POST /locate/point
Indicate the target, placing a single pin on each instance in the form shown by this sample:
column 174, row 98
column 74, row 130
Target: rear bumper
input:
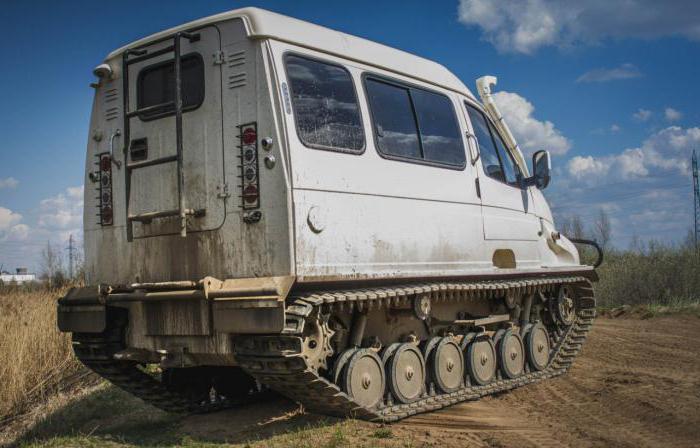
column 236, row 306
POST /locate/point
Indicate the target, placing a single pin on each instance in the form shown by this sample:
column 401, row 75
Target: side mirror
column 541, row 170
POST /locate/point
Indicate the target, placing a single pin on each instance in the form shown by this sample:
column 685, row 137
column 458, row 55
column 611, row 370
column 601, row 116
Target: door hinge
column 219, row 57
column 223, row 191
column 478, row 188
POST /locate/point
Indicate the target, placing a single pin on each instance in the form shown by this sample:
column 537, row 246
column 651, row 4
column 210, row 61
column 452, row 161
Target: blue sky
column 610, row 87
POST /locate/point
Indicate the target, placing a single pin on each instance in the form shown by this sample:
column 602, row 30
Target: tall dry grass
column 36, row 360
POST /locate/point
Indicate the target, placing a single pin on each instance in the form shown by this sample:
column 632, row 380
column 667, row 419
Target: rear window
column 156, row 85
column 413, row 123
column 325, row 105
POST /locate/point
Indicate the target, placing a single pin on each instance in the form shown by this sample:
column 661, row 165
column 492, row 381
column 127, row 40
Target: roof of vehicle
column 266, row 24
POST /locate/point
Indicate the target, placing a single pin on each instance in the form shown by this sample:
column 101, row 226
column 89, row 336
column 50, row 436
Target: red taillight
column 105, row 190
column 249, row 136
column 250, row 179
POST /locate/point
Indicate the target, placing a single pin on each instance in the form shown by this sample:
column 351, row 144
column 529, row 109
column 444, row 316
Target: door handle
column 473, row 156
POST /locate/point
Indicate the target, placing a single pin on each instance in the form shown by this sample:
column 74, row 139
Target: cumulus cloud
column 625, row 71
column 63, row 211
column 8, row 182
column 666, row 150
column 642, row 115
column 615, row 128
column 672, row 114
column 10, row 227
column 524, row 26
column 531, row 133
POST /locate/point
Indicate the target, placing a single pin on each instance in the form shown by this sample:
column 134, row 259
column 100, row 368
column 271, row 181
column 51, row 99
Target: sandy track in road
column 637, row 384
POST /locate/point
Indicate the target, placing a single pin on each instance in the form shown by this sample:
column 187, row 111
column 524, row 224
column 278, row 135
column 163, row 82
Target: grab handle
column 593, row 243
column 116, row 133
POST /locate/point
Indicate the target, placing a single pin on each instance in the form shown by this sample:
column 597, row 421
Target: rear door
column 152, row 136
column 506, row 205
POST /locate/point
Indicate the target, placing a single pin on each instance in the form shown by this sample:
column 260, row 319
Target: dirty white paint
column 325, row 215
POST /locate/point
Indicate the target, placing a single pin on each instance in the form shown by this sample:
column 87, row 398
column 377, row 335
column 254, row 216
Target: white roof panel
column 266, row 24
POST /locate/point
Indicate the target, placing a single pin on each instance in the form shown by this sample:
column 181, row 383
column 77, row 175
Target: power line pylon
column 70, row 256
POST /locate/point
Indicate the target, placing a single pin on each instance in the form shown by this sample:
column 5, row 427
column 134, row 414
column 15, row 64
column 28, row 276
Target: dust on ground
column 636, row 384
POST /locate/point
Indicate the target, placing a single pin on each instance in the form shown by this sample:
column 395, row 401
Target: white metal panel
column 266, row 24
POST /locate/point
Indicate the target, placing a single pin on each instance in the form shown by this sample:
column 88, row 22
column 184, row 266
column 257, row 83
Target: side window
column 156, row 85
column 393, row 118
column 414, row 123
column 325, row 105
column 510, row 169
column 487, row 149
column 439, row 131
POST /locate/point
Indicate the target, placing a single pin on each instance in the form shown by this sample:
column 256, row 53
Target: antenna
column 696, row 199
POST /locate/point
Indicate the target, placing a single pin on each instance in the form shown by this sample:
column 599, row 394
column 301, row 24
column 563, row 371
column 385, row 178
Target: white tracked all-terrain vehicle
column 270, row 204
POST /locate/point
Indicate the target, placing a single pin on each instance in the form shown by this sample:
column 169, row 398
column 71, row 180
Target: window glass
column 510, row 169
column 487, row 149
column 394, row 122
column 156, row 85
column 439, row 131
column 325, row 104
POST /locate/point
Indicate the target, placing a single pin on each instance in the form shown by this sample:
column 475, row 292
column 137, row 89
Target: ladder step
column 145, row 163
column 154, row 108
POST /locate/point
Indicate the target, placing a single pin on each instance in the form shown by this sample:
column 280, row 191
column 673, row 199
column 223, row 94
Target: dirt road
column 637, row 384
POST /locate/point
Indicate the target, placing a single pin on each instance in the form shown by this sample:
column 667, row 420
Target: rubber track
column 277, row 361
column 130, row 378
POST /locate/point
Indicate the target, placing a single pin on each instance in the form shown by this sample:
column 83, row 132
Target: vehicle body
column 298, row 161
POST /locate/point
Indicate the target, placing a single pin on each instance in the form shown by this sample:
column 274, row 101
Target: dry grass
column 37, row 360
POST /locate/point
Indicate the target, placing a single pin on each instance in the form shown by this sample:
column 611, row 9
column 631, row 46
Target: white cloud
column 672, row 114
column 524, row 26
column 642, row 115
column 666, row 150
column 63, row 211
column 615, row 128
column 625, row 71
column 8, row 218
column 8, row 182
column 530, row 133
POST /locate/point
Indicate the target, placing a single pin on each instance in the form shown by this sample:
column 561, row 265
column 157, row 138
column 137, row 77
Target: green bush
column 656, row 273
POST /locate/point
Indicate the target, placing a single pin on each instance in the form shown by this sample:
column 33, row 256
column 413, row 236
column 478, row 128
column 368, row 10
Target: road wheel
column 538, row 346
column 511, row 354
column 364, row 379
column 405, row 370
column 481, row 360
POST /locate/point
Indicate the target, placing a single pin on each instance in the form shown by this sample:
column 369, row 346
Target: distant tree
column 602, row 229
column 52, row 266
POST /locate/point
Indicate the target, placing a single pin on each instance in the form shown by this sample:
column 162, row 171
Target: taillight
column 250, row 181
column 106, row 214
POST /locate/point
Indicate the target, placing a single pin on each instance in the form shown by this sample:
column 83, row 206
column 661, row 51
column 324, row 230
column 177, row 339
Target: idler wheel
column 363, row 378
column 511, row 354
column 446, row 364
column 537, row 346
column 481, row 360
column 563, row 307
column 405, row 371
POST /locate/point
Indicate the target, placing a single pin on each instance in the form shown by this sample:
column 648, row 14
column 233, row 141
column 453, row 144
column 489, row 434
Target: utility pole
column 70, row 256
column 696, row 199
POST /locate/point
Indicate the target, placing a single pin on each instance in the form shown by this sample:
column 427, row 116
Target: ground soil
column 636, row 384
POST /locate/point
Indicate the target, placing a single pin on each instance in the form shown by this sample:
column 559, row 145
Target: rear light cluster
column 250, row 182
column 106, row 214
